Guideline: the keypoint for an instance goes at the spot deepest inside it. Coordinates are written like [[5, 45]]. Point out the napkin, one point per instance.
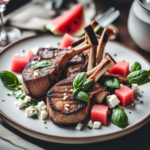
[[16, 140], [36, 16]]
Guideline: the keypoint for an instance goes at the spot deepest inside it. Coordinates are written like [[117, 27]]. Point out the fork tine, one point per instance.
[[110, 19], [106, 14]]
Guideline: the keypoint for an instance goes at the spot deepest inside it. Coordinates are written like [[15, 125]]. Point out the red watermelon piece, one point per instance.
[[125, 95], [99, 113], [18, 63], [32, 52], [122, 68], [66, 41], [71, 21]]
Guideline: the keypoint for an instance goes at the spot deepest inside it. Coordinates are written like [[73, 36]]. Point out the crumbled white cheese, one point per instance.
[[96, 125], [39, 58], [135, 88], [132, 104], [71, 90], [30, 111], [121, 85], [66, 108], [20, 103], [20, 79], [90, 124], [34, 50], [55, 54], [65, 89], [33, 62], [64, 94], [27, 99], [48, 45], [67, 105], [36, 74], [79, 126], [112, 101], [43, 114], [69, 47], [16, 54], [65, 97], [41, 106]]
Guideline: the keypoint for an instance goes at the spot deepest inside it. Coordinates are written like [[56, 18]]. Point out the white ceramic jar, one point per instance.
[[139, 25]]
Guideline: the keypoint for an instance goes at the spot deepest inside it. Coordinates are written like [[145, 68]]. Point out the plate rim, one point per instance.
[[98, 136]]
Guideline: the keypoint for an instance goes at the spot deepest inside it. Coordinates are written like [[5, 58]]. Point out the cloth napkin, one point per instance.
[[7, 135], [36, 16]]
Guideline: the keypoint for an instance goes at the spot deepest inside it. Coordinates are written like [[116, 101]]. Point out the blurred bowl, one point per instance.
[[139, 24]]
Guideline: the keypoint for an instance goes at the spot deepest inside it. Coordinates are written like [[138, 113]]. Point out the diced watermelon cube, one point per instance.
[[99, 113], [122, 68], [32, 52], [125, 95], [66, 41], [18, 63]]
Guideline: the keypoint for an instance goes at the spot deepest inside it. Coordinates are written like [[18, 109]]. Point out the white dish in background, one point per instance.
[[140, 113]]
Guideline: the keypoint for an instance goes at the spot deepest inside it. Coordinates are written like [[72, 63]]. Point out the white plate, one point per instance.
[[140, 113]]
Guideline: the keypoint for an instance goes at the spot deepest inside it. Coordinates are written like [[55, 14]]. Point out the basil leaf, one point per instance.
[[79, 80], [21, 96], [86, 85], [112, 82], [119, 117], [83, 96], [139, 77], [35, 116], [136, 66], [32, 103], [9, 79], [40, 64], [75, 91]]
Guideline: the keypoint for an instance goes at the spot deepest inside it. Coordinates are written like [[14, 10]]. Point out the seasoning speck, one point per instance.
[[130, 112], [142, 91], [141, 102]]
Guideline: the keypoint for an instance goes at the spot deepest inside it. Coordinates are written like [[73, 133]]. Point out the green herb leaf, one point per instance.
[[115, 54], [136, 66], [119, 118], [9, 79], [82, 96], [41, 71], [35, 116], [89, 128], [3, 100], [141, 102], [86, 85], [45, 127], [45, 122], [21, 96], [139, 77], [108, 97], [32, 103], [112, 82], [75, 91], [58, 43], [79, 80], [23, 51], [41, 64]]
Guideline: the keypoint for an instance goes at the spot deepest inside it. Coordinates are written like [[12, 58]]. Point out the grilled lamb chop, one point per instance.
[[37, 87], [64, 108]]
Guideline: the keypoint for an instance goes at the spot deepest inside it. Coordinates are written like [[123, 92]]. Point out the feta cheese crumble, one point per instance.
[[96, 125], [33, 62], [65, 89], [35, 74], [27, 99], [67, 105], [43, 114], [79, 126], [65, 97], [66, 108], [20, 103], [135, 88], [71, 90], [34, 50], [112, 101], [90, 124], [64, 94], [41, 106], [55, 54], [20, 79], [30, 111], [39, 58], [48, 45]]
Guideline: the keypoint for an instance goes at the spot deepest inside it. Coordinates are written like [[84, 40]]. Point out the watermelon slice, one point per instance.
[[66, 41], [125, 95], [122, 68], [18, 63], [71, 21], [99, 113]]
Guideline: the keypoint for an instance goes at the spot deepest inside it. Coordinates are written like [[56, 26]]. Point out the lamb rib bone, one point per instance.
[[107, 33]]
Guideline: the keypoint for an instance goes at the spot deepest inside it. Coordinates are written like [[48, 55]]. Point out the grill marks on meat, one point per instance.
[[47, 76]]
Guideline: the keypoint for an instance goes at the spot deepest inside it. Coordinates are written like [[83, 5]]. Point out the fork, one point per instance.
[[108, 17]]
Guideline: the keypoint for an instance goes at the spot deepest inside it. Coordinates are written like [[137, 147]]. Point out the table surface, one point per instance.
[[140, 139]]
